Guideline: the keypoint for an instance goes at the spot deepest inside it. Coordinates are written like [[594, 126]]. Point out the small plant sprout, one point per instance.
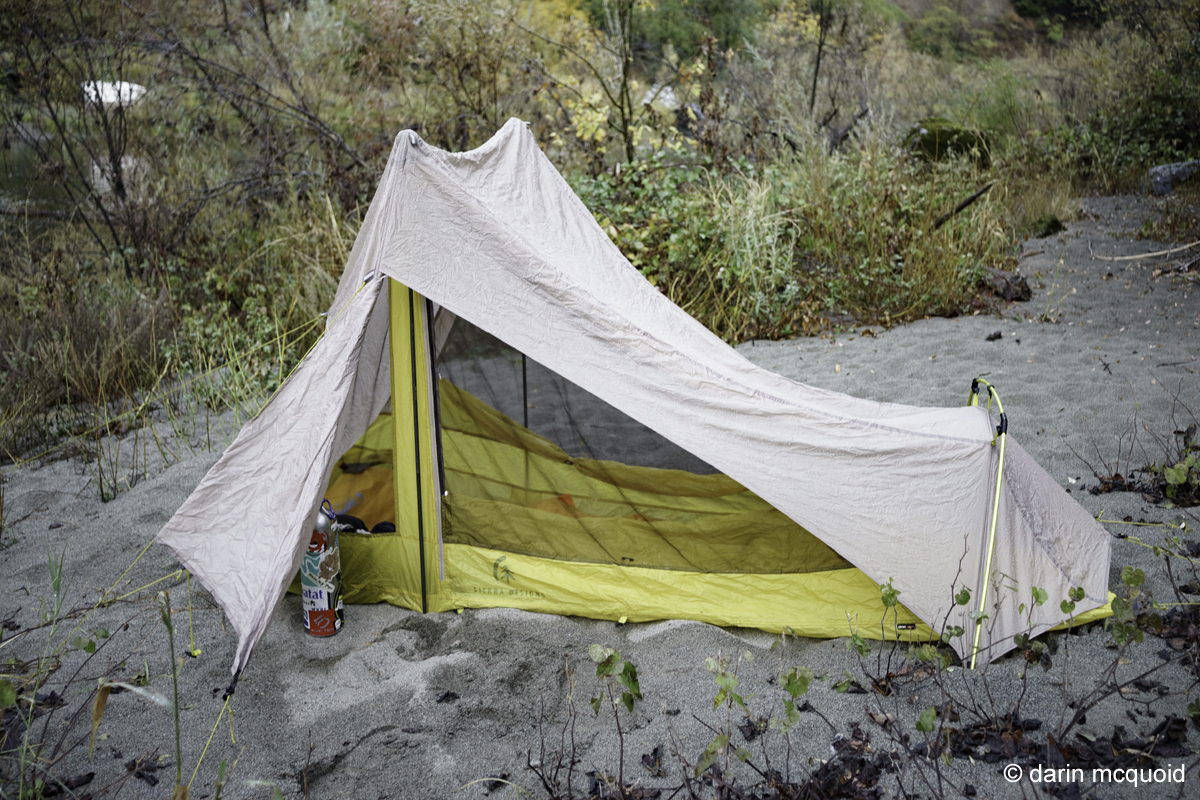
[[1075, 595], [727, 683], [621, 687], [795, 685], [164, 607]]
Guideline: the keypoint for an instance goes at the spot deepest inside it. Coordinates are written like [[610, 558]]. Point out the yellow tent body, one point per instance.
[[528, 526]]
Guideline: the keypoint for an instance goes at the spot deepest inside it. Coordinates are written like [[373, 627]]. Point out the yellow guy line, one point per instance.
[[210, 738], [193, 652], [174, 574]]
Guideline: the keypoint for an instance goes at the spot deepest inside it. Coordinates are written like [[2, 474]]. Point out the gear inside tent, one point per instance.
[[523, 421]]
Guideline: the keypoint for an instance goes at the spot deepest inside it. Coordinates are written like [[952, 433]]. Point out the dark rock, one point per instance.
[[1046, 226], [493, 782], [1008, 285], [992, 337], [935, 138], [1165, 177]]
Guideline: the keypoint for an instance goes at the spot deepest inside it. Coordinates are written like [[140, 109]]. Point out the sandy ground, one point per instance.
[[405, 705]]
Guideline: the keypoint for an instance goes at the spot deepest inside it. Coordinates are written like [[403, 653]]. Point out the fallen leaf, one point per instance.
[[98, 712]]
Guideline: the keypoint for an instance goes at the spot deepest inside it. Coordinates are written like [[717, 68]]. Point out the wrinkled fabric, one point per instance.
[[497, 237]]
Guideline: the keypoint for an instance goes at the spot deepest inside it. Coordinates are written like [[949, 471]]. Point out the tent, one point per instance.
[[548, 432]]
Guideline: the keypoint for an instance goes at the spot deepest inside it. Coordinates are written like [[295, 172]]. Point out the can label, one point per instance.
[[321, 587]]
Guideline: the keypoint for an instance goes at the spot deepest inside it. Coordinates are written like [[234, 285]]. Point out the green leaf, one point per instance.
[[627, 699], [791, 717], [8, 693], [628, 678], [927, 719], [595, 703], [1076, 593], [101, 633], [1132, 577], [609, 665], [953, 632], [1067, 607], [710, 753], [1040, 595], [743, 755], [796, 681], [1176, 475], [889, 595], [844, 685]]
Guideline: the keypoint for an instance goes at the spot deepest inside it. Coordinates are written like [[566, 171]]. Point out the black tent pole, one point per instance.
[[412, 350]]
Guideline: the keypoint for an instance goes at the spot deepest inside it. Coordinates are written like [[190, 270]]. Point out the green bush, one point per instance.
[[776, 251], [944, 32], [683, 23]]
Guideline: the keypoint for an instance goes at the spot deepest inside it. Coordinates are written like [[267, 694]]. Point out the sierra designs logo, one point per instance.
[[500, 572]]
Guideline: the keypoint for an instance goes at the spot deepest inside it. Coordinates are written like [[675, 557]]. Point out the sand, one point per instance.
[[404, 705]]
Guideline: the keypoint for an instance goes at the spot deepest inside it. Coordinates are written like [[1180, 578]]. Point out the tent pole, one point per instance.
[[525, 411], [1002, 435], [416, 414]]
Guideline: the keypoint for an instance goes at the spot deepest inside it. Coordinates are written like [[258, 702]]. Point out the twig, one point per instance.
[[1145, 255], [944, 218]]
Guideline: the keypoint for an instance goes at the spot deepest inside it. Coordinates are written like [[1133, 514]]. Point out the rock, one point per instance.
[[1047, 225], [1165, 177], [1007, 285], [934, 138]]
